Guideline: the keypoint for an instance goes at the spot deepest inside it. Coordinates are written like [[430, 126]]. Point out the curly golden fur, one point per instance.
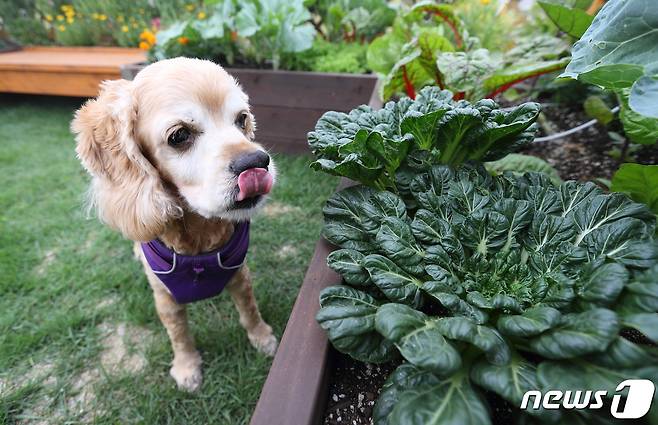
[[146, 188]]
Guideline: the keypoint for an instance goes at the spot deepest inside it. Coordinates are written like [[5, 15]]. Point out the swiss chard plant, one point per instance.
[[384, 148], [351, 20], [430, 45], [485, 287]]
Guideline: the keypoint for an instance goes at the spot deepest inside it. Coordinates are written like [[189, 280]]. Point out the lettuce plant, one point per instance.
[[383, 148], [534, 284]]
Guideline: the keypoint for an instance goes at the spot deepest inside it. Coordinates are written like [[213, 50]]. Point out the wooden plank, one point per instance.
[[285, 129], [296, 388], [64, 71], [339, 92], [59, 84], [70, 59]]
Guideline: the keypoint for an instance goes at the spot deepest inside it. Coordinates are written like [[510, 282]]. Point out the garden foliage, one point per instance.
[[617, 52], [430, 45], [485, 286]]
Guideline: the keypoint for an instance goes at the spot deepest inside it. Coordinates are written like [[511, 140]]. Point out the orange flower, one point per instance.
[[234, 35], [147, 36], [144, 45], [183, 40]]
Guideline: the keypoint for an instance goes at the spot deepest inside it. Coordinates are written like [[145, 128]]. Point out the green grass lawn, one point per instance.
[[80, 341]]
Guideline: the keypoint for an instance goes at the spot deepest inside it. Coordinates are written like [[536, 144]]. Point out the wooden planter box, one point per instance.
[[63, 71], [287, 104]]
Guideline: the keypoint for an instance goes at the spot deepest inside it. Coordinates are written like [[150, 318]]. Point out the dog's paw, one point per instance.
[[187, 372], [263, 340]]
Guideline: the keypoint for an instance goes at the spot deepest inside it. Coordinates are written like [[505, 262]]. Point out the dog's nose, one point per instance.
[[255, 159]]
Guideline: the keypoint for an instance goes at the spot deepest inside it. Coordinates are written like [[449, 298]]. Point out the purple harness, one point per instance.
[[197, 277]]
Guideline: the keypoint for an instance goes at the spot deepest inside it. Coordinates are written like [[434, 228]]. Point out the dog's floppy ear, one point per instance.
[[126, 188]]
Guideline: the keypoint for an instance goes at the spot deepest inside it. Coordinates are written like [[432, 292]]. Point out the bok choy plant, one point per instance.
[[485, 286]]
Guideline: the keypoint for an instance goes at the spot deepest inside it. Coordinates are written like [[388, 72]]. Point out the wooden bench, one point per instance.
[[63, 71]]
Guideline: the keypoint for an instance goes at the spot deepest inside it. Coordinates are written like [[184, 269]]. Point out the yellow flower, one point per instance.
[[66, 7], [125, 28], [144, 45], [60, 17], [94, 16], [49, 18], [61, 28], [102, 17], [201, 15], [189, 7], [69, 20], [485, 2], [183, 40]]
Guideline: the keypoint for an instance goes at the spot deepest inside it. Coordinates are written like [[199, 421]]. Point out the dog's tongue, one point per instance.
[[253, 182]]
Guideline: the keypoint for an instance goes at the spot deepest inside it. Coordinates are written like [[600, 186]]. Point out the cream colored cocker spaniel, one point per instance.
[[175, 169]]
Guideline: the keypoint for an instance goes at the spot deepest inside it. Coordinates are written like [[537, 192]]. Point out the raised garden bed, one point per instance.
[[63, 71], [287, 104]]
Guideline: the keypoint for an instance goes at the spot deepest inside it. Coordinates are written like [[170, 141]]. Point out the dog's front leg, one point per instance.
[[186, 367], [259, 333]]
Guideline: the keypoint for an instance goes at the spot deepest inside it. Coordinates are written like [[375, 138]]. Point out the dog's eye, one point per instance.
[[179, 137], [241, 120]]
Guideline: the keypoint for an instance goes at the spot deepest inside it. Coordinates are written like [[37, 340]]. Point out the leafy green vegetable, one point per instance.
[[351, 20], [428, 44], [378, 147], [257, 32], [573, 21], [640, 182], [535, 277], [617, 52]]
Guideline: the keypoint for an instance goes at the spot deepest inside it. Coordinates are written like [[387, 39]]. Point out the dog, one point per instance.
[[174, 167]]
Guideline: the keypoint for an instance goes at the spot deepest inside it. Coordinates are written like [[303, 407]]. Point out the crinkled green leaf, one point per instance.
[[603, 284], [394, 282], [486, 339], [578, 334], [531, 322], [347, 262], [348, 316], [417, 338], [398, 243], [344, 220], [416, 398], [510, 381]]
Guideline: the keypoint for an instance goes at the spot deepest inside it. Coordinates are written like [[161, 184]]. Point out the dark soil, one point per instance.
[[354, 389], [584, 155]]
